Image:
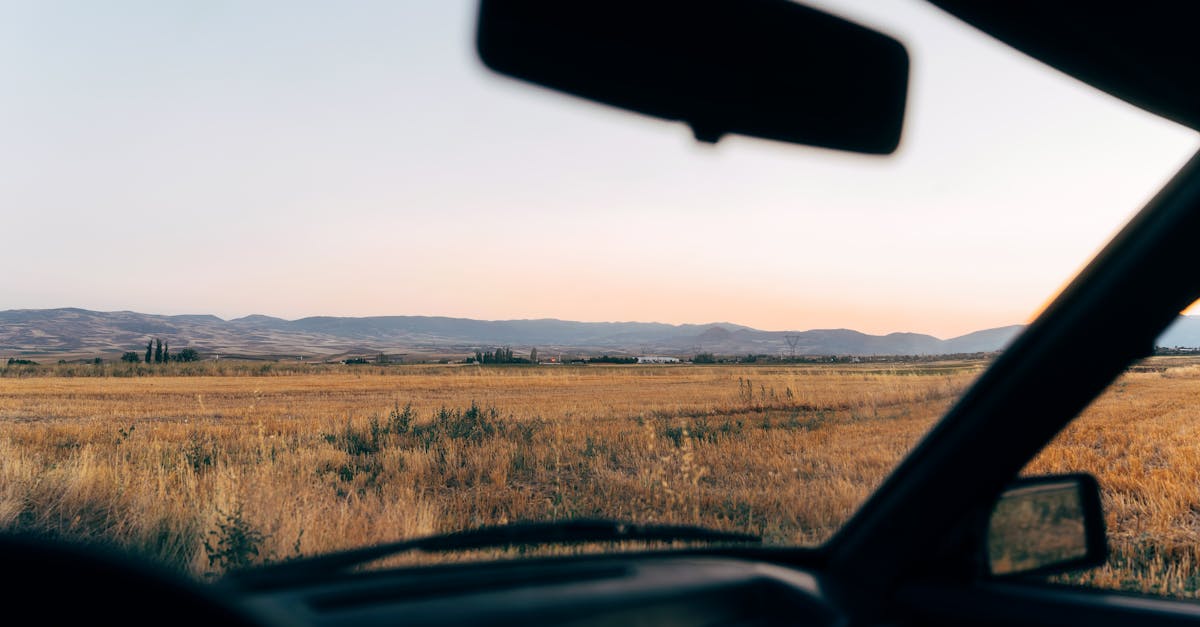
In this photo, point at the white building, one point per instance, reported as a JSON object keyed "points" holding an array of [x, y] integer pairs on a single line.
{"points": [[655, 359]]}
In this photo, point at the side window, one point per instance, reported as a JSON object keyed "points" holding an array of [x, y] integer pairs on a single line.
{"points": [[1141, 440]]}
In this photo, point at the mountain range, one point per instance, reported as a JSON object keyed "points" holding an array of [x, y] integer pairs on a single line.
{"points": [[81, 333]]}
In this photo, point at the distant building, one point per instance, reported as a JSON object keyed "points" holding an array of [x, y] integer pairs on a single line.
{"points": [[655, 359]]}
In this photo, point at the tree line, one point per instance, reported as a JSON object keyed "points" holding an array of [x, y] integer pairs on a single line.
{"points": [[501, 356], [159, 352]]}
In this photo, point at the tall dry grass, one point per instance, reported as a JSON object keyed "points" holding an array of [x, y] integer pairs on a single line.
{"points": [[210, 472], [206, 473], [1141, 439]]}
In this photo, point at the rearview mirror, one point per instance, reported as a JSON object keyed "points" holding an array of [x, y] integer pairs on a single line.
{"points": [[1044, 525], [765, 68]]}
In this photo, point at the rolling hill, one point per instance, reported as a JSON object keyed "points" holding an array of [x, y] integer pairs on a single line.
{"points": [[80, 332]]}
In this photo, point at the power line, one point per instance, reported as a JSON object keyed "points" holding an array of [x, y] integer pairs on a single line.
{"points": [[792, 342]]}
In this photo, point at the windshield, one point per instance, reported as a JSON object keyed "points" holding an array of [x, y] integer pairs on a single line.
{"points": [[290, 278]]}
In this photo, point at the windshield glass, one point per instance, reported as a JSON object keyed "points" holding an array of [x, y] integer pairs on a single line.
{"points": [[288, 278]]}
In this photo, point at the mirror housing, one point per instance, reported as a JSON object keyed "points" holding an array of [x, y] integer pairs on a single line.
{"points": [[1046, 525], [764, 68]]}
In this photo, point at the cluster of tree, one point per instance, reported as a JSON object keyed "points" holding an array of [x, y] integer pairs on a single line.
{"points": [[704, 358], [13, 361], [501, 356], [159, 352], [608, 359]]}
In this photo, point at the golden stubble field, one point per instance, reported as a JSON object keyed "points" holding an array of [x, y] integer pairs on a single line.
{"points": [[219, 471]]}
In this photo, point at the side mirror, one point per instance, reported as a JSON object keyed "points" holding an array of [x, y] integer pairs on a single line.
{"points": [[765, 68], [1046, 525]]}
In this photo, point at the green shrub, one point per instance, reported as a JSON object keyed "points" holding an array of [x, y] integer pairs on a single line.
{"points": [[235, 543]]}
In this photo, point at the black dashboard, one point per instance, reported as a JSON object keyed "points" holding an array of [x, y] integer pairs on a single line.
{"points": [[684, 591]]}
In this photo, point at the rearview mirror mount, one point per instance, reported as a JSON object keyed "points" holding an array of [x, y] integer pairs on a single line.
{"points": [[764, 68]]}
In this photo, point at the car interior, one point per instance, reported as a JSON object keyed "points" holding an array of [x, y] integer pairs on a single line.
{"points": [[938, 543]]}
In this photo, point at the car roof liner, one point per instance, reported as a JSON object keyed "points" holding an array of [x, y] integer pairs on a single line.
{"points": [[1144, 53]]}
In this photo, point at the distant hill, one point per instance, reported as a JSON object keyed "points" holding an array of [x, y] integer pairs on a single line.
{"points": [[81, 332]]}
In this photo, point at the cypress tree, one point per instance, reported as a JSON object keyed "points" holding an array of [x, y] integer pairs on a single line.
{"points": [[149, 350], [157, 351], [166, 352]]}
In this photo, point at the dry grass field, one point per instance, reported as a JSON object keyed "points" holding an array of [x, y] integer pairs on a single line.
{"points": [[1141, 440], [236, 467]]}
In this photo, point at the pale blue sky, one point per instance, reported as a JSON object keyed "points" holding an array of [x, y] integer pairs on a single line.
{"points": [[353, 158]]}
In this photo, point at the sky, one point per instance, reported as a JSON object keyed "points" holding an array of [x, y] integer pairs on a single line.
{"points": [[354, 158]]}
